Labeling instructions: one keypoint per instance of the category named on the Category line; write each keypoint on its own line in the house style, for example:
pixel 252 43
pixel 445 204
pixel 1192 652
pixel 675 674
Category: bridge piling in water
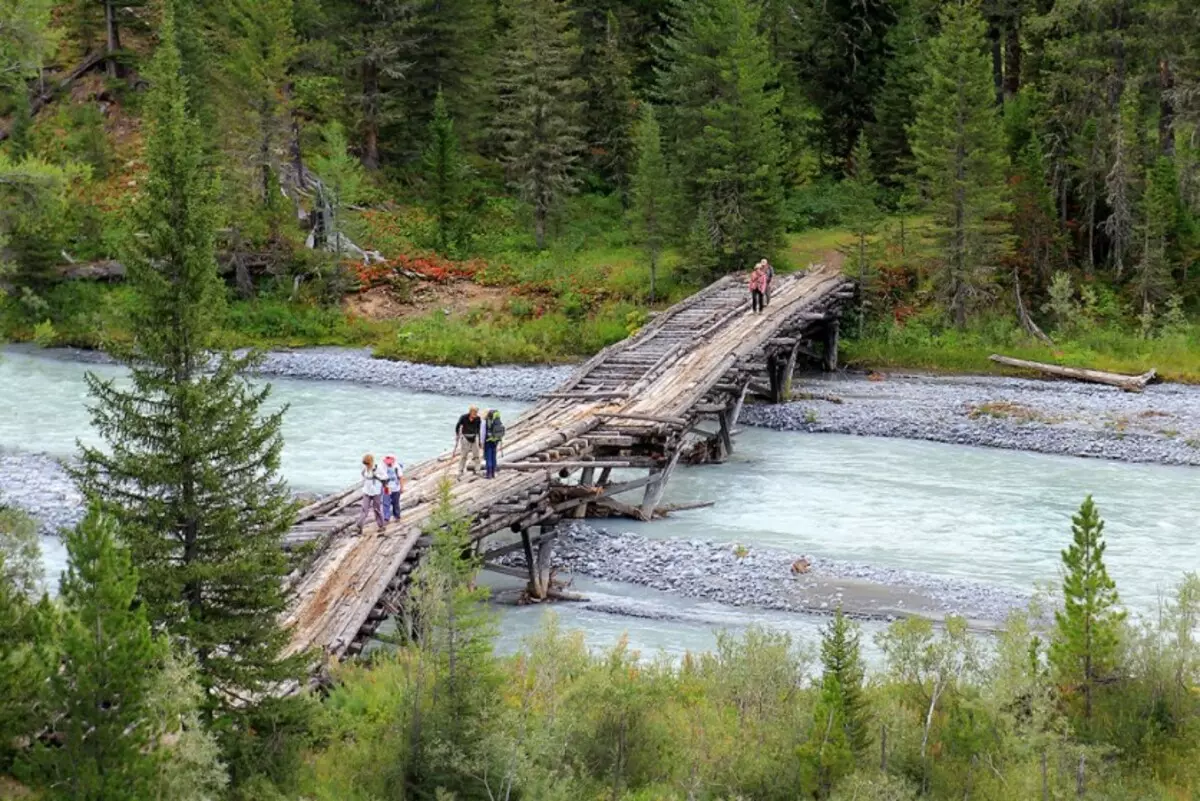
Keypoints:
pixel 638 405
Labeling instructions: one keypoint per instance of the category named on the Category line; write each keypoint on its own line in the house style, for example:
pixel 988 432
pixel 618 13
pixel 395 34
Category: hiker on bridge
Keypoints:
pixel 770 280
pixel 372 490
pixel 493 441
pixel 393 487
pixel 758 288
pixel 467 435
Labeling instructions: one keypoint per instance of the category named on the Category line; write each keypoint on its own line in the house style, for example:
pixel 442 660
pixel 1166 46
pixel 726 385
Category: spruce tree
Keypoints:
pixel 610 109
pixel 539 117
pixel 1084 649
pixel 28 647
pixel 446 176
pixel 189 470
pixel 717 79
pixel 959 148
pixel 380 46
pixel 864 216
pixel 1119 183
pixel 651 192
pixel 110 660
pixel 842 679
pixel 455 631
pixel 1160 215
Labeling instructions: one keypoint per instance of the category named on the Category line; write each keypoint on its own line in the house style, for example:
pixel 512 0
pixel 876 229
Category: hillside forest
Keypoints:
pixel 521 180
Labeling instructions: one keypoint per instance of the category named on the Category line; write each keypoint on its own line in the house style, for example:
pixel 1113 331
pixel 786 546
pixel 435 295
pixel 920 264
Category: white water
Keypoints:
pixel 993 516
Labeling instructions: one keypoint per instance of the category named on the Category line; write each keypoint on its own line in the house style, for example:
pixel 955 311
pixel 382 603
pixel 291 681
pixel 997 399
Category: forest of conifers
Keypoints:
pixel 992 170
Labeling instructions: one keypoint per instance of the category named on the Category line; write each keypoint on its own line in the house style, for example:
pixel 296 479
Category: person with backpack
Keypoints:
pixel 770 271
pixel 467 435
pixel 372 489
pixel 392 488
pixel 493 439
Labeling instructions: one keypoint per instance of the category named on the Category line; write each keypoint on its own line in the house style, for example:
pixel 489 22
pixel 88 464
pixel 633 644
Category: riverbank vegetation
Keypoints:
pixel 992 173
pixel 1072 699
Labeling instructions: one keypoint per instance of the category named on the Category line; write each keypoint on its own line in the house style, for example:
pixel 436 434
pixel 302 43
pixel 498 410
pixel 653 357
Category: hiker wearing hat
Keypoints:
pixel 372 488
pixel 392 488
pixel 467 434
pixel 493 440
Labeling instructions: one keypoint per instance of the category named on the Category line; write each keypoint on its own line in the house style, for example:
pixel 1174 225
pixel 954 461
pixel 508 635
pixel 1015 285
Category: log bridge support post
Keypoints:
pixel 829 359
pixel 539 559
pixel 658 484
pixel 586 480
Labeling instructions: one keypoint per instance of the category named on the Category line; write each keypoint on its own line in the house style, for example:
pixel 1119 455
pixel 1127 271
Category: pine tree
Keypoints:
pixel 190 468
pixel 651 192
pixel 27 38
pixel 723 126
pixel 262 45
pixel 455 56
pixel 863 214
pixel 842 679
pixel 610 109
pixel 109 663
pixel 1119 183
pixel 538 121
pixel 446 177
pixel 1088 628
pixel 959 148
pixel 455 631
pixel 28 647
pixel 1160 220
pixel 380 44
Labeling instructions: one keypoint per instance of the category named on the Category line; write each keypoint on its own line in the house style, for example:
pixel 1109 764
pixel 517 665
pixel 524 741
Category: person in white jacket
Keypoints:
pixel 372 490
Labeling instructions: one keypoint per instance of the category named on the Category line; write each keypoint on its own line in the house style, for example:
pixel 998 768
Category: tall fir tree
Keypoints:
pixel 1160 216
pixel 456 56
pixel 1121 188
pixel 28 645
pixel 716 78
pixel 842 679
pixel 610 109
pixel 958 144
pixel 538 121
pixel 651 192
pixel 446 177
pixel 380 47
pixel 259 50
pixel 110 660
pixel 864 216
pixel 455 630
pixel 1084 649
pixel 189 467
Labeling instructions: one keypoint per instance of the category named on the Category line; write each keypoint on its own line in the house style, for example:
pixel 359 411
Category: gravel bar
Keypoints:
pixel 1160 425
pixel 765 578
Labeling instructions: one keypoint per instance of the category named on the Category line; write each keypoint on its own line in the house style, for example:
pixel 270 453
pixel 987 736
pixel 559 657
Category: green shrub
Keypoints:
pixel 44 334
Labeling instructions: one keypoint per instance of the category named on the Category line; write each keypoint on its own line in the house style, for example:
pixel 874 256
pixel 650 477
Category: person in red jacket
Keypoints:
pixel 758 288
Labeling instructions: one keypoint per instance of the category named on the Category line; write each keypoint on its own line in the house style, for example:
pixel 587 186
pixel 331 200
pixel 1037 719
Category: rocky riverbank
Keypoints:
pixel 770 578
pixel 39 486
pixel 1160 425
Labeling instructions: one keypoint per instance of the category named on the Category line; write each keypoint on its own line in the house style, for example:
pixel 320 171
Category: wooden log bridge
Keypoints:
pixel 621 423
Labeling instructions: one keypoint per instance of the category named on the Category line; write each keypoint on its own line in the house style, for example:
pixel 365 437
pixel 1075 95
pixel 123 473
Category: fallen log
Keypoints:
pixel 1129 383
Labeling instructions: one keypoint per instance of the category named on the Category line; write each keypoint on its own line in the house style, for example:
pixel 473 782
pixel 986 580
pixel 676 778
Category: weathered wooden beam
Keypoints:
pixel 585 395
pixel 649 418
pixel 571 464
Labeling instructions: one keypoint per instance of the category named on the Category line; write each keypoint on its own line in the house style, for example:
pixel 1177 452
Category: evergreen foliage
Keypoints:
pixel 538 121
pixel 379 46
pixel 189 471
pixel 446 178
pixel 959 149
pixel 718 82
pixel 109 662
pixel 652 199
pixel 610 108
pixel 1087 633
pixel 839 735
pixel 864 217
